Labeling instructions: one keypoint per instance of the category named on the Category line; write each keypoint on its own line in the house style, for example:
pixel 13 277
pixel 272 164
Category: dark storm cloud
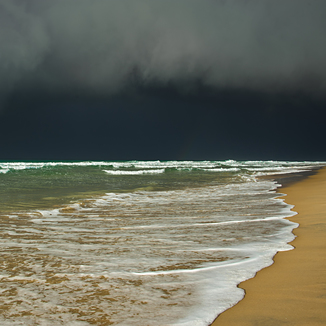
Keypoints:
pixel 101 46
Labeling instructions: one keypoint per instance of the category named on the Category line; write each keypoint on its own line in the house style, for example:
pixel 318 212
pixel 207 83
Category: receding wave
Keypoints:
pixel 88 243
pixel 137 248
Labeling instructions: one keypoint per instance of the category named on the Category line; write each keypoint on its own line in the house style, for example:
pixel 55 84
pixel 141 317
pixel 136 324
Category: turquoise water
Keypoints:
pixel 124 243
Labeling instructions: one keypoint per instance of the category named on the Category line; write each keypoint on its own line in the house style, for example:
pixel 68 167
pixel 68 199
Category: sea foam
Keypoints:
pixel 142 255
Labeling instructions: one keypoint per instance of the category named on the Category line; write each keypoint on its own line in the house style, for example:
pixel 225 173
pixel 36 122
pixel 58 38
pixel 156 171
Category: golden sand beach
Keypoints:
pixel 292 291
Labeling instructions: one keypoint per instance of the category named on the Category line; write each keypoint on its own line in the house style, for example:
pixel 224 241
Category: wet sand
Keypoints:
pixel 292 291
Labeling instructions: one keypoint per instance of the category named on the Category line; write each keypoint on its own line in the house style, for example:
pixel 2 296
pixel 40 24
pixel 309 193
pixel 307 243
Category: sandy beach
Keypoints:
pixel 292 291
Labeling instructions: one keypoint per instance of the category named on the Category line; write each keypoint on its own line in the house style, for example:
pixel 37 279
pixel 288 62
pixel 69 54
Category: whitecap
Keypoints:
pixel 138 172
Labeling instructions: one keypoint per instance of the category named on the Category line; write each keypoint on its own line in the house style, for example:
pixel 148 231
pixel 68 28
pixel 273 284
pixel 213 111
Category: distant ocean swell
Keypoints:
pixel 143 243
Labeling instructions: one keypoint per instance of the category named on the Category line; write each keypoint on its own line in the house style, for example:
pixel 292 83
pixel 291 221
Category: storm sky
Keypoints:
pixel 165 79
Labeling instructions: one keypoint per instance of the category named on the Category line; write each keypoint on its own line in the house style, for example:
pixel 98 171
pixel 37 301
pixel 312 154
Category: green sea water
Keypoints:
pixel 46 186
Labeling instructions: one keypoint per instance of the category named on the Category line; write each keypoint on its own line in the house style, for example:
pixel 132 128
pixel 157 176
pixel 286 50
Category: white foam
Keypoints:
pixel 278 171
pixel 196 270
pixel 138 172
pixel 214 237
pixel 222 169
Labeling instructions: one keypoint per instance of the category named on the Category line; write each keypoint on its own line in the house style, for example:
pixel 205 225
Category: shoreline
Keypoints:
pixel 292 291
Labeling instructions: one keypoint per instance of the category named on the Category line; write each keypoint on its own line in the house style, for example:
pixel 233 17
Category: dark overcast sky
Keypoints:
pixel 147 79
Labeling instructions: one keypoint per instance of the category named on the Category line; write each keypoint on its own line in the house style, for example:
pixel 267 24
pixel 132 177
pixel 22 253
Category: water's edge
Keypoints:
pixel 284 181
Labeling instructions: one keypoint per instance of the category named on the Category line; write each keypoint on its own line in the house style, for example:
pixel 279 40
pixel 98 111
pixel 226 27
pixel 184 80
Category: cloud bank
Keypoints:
pixel 103 46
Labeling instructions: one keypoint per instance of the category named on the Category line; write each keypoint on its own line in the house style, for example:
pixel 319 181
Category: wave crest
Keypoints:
pixel 139 172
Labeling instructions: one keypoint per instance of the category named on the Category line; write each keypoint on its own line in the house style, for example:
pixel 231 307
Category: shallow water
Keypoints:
pixel 145 243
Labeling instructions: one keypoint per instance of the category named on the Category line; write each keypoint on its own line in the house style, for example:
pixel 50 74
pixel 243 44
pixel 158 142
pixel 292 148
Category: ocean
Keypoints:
pixel 139 242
